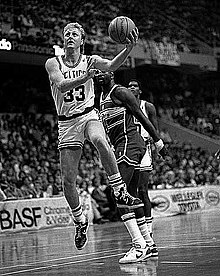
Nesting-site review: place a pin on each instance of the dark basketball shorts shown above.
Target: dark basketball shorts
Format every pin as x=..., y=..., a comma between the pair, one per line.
x=130, y=150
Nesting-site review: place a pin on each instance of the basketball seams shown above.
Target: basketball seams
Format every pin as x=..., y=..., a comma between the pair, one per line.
x=117, y=29
x=113, y=31
x=127, y=30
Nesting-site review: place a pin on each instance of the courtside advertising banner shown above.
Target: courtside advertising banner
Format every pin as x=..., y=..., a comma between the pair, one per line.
x=21, y=215
x=185, y=200
x=33, y=214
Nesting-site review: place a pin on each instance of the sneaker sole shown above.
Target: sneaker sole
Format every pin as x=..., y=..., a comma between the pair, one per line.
x=149, y=255
x=154, y=255
x=83, y=245
x=130, y=207
x=137, y=260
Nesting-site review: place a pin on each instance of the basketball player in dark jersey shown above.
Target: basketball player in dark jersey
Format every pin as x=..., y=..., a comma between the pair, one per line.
x=118, y=106
x=71, y=80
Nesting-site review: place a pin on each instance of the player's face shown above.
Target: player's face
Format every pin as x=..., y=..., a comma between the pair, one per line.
x=103, y=78
x=73, y=38
x=134, y=88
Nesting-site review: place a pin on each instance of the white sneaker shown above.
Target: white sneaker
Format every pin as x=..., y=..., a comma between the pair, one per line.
x=136, y=254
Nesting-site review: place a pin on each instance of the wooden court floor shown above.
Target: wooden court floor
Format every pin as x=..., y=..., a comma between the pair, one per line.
x=189, y=245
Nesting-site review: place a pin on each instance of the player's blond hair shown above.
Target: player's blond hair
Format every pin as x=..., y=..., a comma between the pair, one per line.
x=79, y=27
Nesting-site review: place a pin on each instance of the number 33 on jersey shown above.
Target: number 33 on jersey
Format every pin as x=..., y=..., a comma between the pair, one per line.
x=74, y=101
x=76, y=95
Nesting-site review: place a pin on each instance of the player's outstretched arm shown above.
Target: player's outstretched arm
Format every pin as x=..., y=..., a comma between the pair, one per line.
x=108, y=65
x=123, y=95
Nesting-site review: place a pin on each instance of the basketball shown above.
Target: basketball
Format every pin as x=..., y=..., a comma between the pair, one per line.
x=119, y=29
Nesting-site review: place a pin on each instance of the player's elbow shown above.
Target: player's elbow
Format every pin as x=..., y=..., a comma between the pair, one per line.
x=111, y=66
x=60, y=87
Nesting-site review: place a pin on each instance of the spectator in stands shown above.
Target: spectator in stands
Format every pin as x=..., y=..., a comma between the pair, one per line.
x=83, y=191
x=2, y=195
x=26, y=23
x=191, y=178
x=100, y=197
x=38, y=188
x=180, y=181
x=217, y=180
x=12, y=192
x=14, y=34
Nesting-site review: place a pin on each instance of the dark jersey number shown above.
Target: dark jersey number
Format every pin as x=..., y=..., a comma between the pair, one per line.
x=138, y=125
x=80, y=90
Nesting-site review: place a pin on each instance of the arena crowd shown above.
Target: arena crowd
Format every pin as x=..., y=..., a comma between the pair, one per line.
x=29, y=161
x=41, y=23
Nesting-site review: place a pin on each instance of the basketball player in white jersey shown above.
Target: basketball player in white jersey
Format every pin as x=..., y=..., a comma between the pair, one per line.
x=146, y=165
x=72, y=89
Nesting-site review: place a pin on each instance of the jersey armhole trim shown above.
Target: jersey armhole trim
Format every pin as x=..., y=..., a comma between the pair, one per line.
x=58, y=60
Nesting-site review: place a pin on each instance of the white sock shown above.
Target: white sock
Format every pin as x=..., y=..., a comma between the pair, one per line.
x=132, y=227
x=149, y=221
x=116, y=182
x=141, y=222
x=78, y=214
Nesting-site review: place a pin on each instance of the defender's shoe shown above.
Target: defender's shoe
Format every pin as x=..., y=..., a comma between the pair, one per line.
x=136, y=254
x=125, y=200
x=154, y=250
x=81, y=234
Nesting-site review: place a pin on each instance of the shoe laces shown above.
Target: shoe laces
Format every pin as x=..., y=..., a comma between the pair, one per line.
x=78, y=229
x=125, y=195
x=130, y=196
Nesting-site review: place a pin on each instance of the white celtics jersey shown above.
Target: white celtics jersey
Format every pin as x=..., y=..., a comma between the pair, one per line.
x=141, y=129
x=75, y=100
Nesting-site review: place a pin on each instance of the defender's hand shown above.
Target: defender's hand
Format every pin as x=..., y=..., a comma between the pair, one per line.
x=161, y=149
x=91, y=73
x=163, y=152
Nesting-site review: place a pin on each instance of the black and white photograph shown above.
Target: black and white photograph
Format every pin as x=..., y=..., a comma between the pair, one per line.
x=110, y=138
